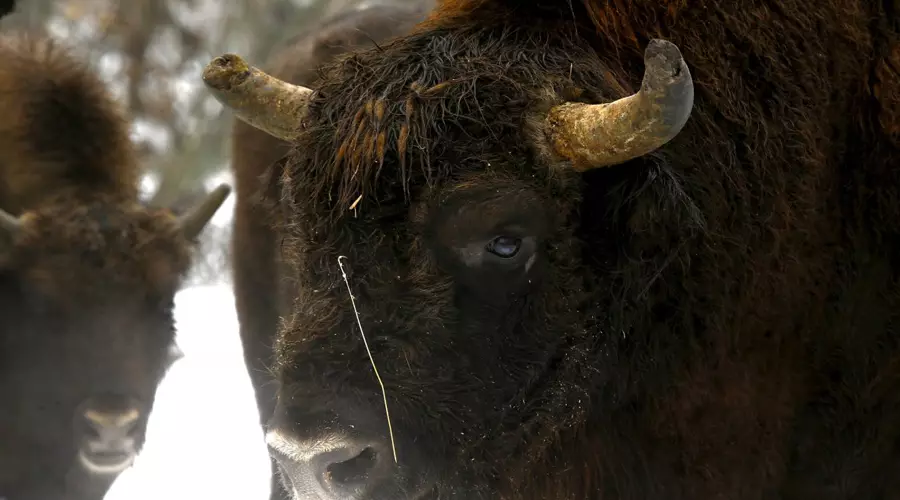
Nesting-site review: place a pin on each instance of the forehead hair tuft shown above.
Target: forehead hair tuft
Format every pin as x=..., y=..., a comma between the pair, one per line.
x=418, y=110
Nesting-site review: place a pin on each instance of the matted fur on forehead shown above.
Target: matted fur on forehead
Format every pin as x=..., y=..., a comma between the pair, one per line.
x=423, y=108
x=78, y=251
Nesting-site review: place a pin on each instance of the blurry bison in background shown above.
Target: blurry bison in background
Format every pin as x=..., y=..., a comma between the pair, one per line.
x=254, y=244
x=87, y=279
x=623, y=250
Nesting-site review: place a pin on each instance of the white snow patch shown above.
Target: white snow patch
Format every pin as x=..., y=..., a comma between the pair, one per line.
x=203, y=440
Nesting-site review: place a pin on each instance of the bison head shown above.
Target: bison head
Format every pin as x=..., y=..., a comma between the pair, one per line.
x=86, y=334
x=444, y=329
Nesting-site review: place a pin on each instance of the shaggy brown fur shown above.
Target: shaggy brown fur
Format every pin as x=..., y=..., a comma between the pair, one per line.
x=719, y=319
x=87, y=285
x=254, y=246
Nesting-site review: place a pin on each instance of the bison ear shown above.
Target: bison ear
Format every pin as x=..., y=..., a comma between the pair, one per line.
x=599, y=135
x=10, y=226
x=191, y=223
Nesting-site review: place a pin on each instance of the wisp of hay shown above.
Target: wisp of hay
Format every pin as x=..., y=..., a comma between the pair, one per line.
x=387, y=412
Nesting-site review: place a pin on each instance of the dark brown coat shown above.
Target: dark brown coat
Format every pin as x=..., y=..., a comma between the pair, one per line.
x=254, y=245
x=719, y=319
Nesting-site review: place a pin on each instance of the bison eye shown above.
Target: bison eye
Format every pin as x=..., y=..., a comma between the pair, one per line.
x=504, y=246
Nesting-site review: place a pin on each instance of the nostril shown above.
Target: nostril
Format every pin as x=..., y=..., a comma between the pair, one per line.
x=130, y=428
x=89, y=431
x=132, y=432
x=353, y=471
x=329, y=466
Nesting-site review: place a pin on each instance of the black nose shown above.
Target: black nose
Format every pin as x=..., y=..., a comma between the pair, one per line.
x=107, y=428
x=331, y=466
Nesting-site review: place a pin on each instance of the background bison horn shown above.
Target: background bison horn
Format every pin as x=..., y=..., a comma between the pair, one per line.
x=196, y=219
x=598, y=135
x=259, y=99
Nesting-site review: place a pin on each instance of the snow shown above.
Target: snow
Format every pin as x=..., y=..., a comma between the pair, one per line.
x=203, y=440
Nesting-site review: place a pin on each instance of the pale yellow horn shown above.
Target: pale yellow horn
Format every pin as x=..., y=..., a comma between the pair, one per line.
x=599, y=135
x=257, y=98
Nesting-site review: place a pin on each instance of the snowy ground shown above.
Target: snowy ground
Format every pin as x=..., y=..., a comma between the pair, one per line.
x=203, y=441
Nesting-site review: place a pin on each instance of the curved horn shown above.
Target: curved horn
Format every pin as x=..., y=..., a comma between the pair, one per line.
x=599, y=135
x=196, y=219
x=256, y=98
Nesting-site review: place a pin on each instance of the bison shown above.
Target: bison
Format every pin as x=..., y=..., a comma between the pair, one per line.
x=253, y=151
x=87, y=278
x=560, y=249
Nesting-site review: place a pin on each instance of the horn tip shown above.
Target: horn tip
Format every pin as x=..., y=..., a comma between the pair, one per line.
x=223, y=188
x=668, y=82
x=664, y=62
x=193, y=223
x=220, y=194
x=226, y=71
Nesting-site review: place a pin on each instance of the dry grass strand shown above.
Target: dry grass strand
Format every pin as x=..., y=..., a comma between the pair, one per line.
x=387, y=412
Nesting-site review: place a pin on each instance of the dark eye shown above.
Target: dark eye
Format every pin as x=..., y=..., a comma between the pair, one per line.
x=504, y=246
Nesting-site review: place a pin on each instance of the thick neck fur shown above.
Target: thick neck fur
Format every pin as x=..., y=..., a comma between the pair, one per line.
x=746, y=272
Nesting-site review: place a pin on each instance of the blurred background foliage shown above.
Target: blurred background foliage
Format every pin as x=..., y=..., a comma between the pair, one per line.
x=151, y=52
